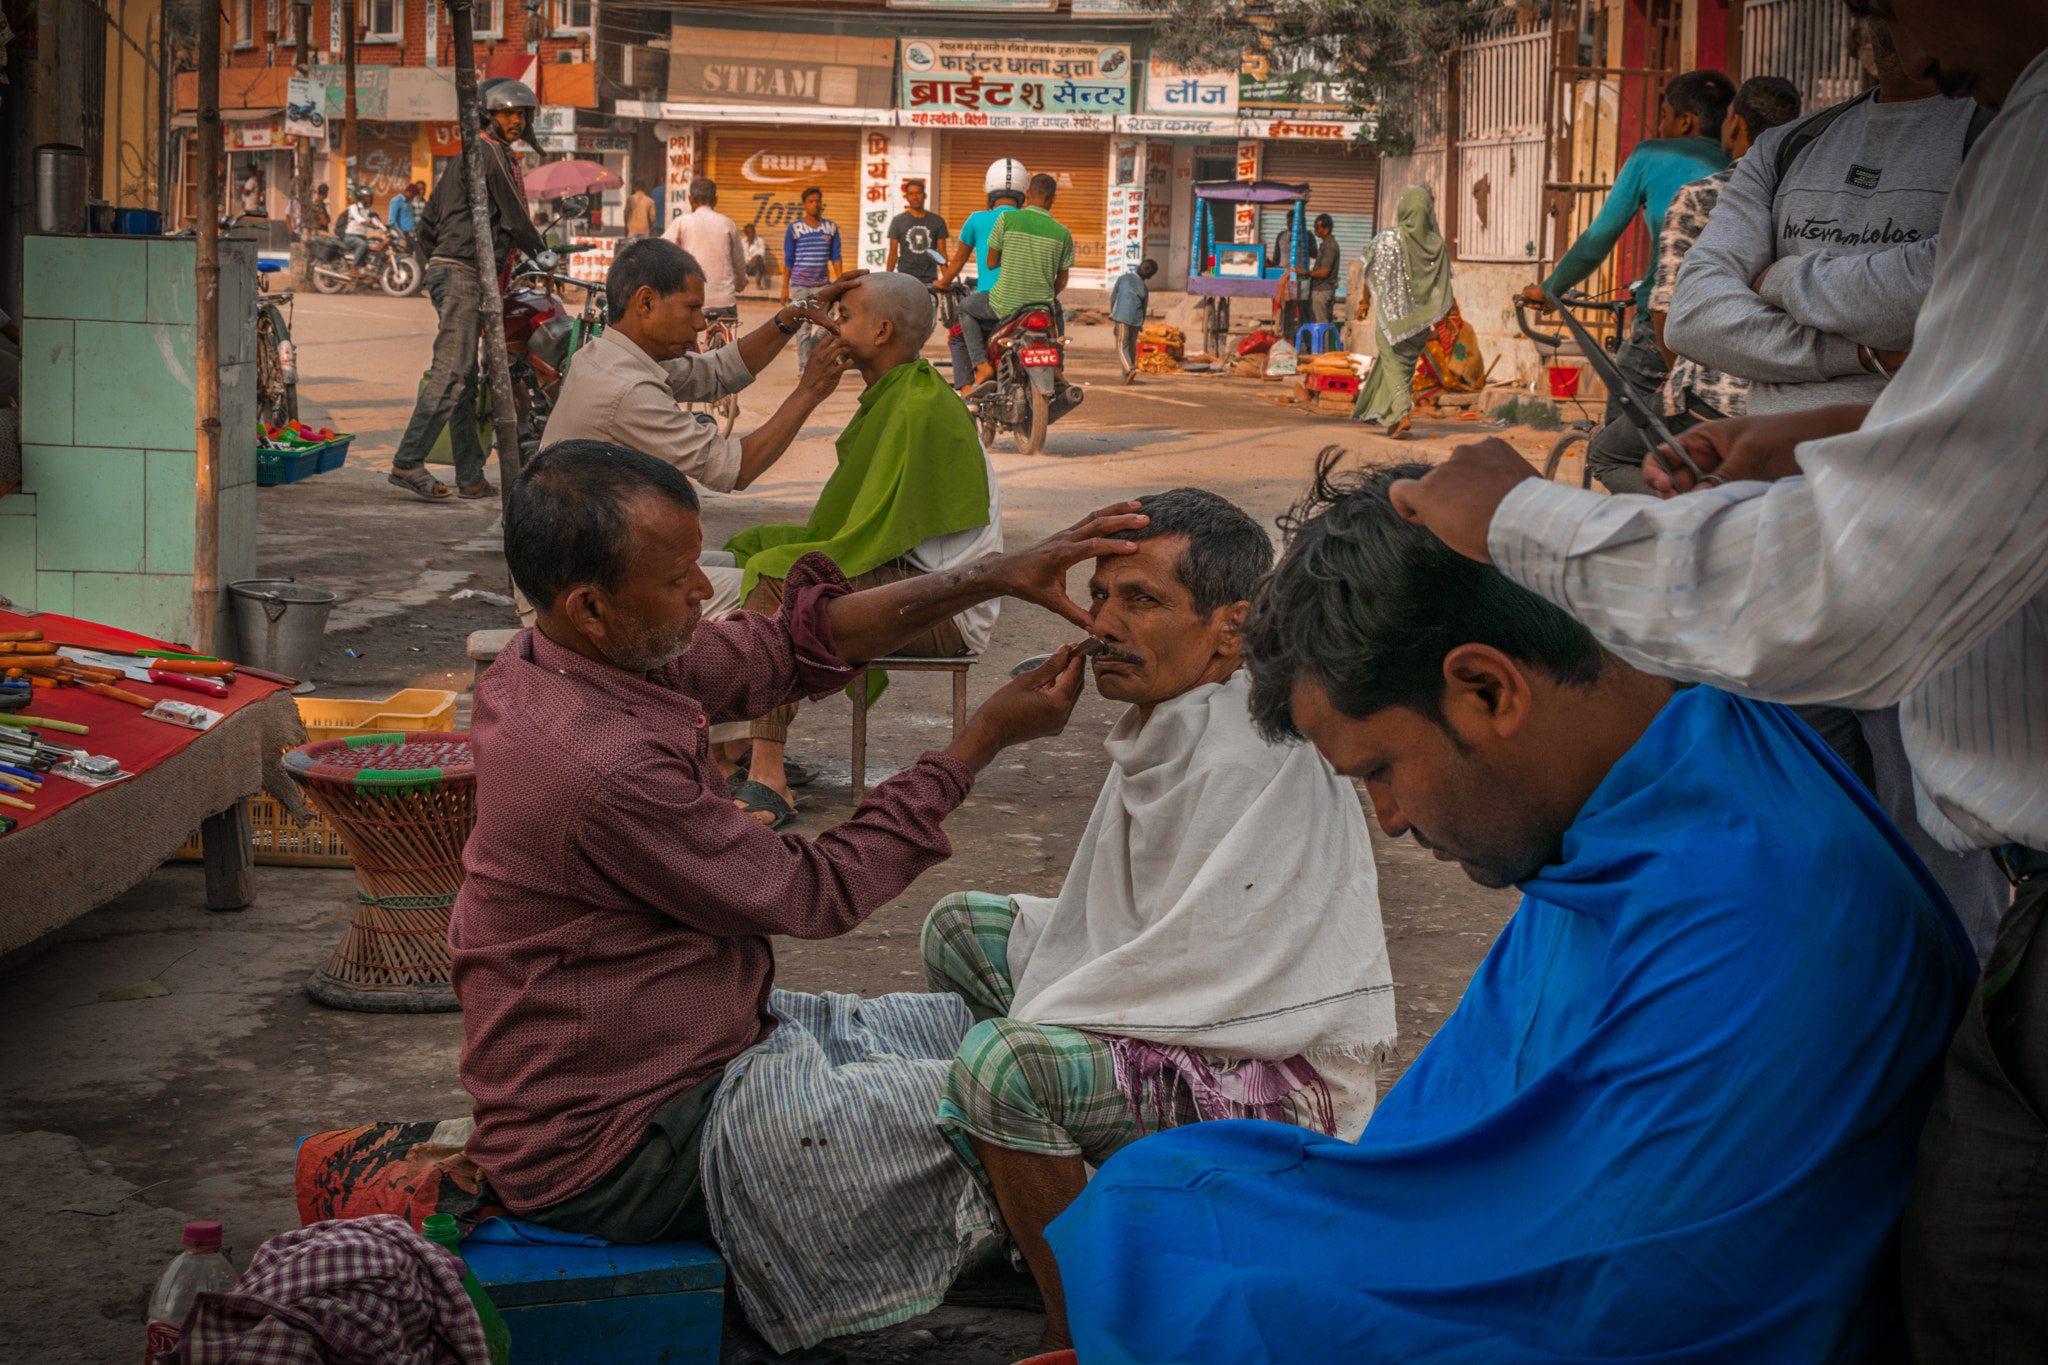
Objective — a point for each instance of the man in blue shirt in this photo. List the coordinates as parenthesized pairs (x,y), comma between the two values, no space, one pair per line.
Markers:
(1687,146)
(1004,187)
(1128,298)
(404,209)
(810,261)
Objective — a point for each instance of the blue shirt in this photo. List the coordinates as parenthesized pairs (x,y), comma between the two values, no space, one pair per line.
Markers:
(974,232)
(401,215)
(806,251)
(1127,299)
(1648,179)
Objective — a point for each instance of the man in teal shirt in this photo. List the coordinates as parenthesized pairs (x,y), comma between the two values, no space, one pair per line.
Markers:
(1687,146)
(977,320)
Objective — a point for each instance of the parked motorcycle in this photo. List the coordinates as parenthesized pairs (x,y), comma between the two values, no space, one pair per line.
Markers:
(1029,391)
(542,337)
(390,264)
(277,363)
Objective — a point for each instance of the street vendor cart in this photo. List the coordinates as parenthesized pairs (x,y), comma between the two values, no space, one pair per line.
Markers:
(1222,271)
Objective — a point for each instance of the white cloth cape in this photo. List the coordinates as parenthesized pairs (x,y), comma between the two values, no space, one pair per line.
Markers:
(1223,898)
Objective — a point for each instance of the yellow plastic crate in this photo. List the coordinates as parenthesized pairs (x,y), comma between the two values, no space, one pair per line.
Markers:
(279,842)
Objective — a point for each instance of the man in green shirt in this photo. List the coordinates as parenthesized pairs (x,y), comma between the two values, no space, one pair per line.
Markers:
(1031,250)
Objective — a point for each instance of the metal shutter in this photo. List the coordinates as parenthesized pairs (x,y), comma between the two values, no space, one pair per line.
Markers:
(1080,160)
(1343,183)
(761,174)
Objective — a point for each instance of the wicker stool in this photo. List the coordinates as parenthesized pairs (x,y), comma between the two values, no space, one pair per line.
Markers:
(404,805)
(957,665)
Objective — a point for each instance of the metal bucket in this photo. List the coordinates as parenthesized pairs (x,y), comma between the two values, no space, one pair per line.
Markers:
(63,174)
(281,624)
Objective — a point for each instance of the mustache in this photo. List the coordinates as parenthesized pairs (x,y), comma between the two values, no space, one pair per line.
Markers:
(1109,653)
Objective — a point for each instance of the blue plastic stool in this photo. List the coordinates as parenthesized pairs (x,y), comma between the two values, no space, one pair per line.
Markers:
(1314,338)
(615,1305)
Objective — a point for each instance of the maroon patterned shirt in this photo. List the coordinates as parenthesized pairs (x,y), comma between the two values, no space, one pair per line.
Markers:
(611,941)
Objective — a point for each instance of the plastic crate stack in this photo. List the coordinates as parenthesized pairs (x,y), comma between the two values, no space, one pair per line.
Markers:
(296,451)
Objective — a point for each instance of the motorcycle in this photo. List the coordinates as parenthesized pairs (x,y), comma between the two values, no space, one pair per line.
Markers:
(542,337)
(1029,391)
(277,364)
(390,264)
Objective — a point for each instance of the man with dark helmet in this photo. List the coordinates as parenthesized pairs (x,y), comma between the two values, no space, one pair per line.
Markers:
(358,221)
(447,240)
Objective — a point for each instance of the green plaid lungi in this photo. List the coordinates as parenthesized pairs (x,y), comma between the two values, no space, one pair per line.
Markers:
(1024,1087)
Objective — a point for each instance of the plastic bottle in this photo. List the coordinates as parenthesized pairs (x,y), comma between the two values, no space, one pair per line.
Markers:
(199,1269)
(440,1228)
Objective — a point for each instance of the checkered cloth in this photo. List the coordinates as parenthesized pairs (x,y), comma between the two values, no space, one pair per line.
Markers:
(365,1290)
(1024,1087)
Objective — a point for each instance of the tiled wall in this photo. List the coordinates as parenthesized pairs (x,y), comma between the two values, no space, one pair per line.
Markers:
(102,524)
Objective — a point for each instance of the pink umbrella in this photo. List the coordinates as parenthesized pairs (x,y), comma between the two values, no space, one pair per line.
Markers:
(558,178)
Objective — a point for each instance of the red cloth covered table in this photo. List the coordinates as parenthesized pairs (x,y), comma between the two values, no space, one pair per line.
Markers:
(82,845)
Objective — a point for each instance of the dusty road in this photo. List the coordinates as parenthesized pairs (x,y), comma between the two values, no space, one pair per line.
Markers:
(189,1102)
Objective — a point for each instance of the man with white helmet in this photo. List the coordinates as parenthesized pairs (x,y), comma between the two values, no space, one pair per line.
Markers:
(1004,185)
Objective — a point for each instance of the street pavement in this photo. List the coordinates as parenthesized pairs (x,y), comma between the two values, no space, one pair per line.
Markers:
(190,1101)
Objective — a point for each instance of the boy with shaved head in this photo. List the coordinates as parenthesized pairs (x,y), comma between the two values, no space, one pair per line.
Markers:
(914,493)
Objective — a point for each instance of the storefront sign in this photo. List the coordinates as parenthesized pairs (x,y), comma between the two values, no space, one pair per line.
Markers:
(1163,126)
(420,94)
(305,107)
(603,142)
(726,66)
(974,4)
(1313,130)
(1264,85)
(874,195)
(968,76)
(554,120)
(254,135)
(1111,7)
(1124,231)
(372,86)
(1058,123)
(1173,90)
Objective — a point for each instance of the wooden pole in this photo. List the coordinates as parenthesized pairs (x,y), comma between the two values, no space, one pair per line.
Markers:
(302,158)
(348,126)
(206,479)
(1447,212)
(504,411)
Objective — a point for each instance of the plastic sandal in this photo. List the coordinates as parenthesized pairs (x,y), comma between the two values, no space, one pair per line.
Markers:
(755,796)
(421,484)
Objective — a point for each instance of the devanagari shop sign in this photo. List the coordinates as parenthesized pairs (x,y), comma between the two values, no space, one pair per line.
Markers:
(968,83)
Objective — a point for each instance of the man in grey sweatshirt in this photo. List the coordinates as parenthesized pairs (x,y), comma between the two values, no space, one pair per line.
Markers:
(1808,286)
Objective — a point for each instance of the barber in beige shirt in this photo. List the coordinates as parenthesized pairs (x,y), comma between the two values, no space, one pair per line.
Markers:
(624,386)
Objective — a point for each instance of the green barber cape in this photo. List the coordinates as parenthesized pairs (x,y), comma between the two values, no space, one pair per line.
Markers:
(910,467)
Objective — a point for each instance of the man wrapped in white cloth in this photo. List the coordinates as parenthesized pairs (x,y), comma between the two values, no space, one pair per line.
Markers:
(1216,949)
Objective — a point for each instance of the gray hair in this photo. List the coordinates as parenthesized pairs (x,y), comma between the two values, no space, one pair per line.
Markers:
(1227,552)
(703,191)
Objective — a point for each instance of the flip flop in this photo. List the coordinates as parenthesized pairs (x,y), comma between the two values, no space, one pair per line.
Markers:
(480,489)
(421,484)
(793,774)
(754,796)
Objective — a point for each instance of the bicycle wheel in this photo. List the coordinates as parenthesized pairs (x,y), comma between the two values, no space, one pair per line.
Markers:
(1561,450)
(724,411)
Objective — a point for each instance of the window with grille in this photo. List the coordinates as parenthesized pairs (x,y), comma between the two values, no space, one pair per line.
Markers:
(382,20)
(572,15)
(484,22)
(244,12)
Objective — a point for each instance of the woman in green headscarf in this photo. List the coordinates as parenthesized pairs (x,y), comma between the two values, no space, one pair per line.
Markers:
(1408,278)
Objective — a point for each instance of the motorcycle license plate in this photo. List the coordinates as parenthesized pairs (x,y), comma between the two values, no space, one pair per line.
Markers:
(1041,355)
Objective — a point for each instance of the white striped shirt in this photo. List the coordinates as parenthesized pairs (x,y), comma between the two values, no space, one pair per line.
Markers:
(1908,565)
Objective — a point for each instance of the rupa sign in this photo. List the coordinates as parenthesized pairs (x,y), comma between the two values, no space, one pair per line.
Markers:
(725,66)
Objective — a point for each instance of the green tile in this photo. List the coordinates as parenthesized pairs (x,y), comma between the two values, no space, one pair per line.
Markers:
(49,360)
(89,507)
(135,386)
(148,604)
(168,516)
(18,505)
(171,282)
(101,278)
(53,592)
(237,424)
(18,558)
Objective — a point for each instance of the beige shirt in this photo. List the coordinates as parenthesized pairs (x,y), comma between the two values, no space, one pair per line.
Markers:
(616,392)
(640,214)
(711,237)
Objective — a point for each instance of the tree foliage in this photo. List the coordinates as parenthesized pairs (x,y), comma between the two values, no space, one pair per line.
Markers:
(1381,52)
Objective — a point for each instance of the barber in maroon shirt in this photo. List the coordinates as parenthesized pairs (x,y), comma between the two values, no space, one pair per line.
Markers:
(611,941)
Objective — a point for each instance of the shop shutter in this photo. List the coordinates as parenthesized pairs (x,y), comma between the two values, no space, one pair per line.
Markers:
(1342,183)
(1080,160)
(761,174)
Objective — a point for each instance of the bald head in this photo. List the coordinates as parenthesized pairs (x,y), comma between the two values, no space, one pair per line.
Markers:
(888,320)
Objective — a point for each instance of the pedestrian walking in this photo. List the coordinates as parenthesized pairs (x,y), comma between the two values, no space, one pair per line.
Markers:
(1408,277)
(1128,299)
(810,261)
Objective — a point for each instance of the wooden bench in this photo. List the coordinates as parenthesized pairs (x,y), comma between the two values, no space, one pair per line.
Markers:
(957,665)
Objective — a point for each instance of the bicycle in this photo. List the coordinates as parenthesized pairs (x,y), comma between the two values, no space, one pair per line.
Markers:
(721,329)
(1579,430)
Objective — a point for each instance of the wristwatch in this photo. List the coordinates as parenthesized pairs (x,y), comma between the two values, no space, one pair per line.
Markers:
(800,305)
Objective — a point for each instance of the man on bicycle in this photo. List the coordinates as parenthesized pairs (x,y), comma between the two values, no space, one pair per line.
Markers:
(447,240)
(1687,146)
(713,241)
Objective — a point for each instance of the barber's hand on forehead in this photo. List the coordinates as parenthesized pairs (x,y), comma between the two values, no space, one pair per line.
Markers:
(829,295)
(1458,498)
(1039,574)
